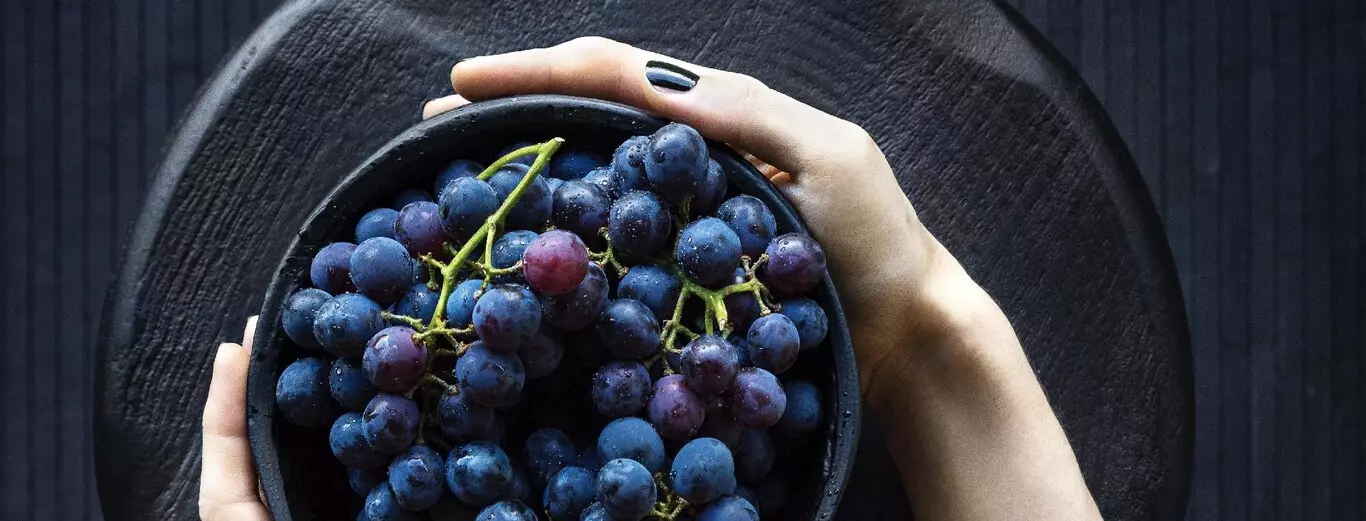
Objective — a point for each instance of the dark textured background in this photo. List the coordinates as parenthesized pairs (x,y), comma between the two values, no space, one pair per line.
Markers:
(1245,117)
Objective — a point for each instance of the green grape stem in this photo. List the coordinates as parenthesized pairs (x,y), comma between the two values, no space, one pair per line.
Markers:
(414,323)
(436,325)
(538,149)
(486,232)
(608,256)
(670,505)
(440,384)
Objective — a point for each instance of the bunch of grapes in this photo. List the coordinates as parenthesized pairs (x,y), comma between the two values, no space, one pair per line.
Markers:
(607,342)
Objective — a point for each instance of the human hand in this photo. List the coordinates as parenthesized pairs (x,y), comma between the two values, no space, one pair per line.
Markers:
(895,280)
(227,479)
(941,368)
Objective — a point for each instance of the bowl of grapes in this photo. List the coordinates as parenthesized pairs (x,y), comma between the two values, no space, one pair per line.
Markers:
(553,308)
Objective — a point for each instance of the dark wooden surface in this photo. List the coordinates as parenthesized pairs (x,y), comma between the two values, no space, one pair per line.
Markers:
(1244,116)
(1009,161)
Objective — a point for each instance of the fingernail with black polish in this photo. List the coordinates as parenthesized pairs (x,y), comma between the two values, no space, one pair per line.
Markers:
(667,76)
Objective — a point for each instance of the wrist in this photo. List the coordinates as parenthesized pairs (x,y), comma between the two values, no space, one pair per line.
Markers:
(945,332)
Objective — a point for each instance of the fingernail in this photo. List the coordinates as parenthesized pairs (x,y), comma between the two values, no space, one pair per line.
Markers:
(666,76)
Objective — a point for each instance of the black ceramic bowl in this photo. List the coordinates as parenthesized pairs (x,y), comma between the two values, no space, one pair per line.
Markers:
(301,479)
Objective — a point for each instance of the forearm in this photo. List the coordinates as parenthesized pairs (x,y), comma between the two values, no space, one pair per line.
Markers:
(965,418)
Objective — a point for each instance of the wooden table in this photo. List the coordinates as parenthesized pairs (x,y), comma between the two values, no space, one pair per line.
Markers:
(1004,152)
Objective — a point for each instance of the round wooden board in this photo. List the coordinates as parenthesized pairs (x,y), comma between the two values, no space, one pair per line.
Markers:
(1006,155)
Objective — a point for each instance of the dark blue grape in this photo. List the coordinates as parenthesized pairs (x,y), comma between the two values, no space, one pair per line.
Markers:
(674,409)
(349,385)
(772,493)
(752,222)
(532,211)
(621,388)
(810,319)
(574,164)
(390,423)
(302,393)
(347,439)
(465,205)
(626,489)
(547,451)
(596,512)
(605,180)
(363,481)
(508,251)
(632,438)
(381,505)
(416,477)
(409,197)
(629,330)
(491,378)
(638,224)
(579,308)
(709,364)
(754,455)
(418,302)
(478,472)
(524,159)
(344,323)
(542,354)
(555,263)
(505,317)
(382,269)
(710,192)
(729,508)
(702,471)
(653,286)
(507,511)
(458,169)
(554,185)
(773,343)
(756,399)
(331,268)
(741,308)
(568,492)
(628,164)
(460,305)
(393,360)
(582,208)
(721,425)
(419,228)
(676,160)
(803,412)
(708,251)
(460,419)
(297,318)
(796,264)
(376,223)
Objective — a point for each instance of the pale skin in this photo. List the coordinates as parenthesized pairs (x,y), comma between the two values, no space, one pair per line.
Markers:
(940,366)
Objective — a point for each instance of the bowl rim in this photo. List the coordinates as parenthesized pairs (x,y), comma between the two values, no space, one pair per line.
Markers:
(845,415)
